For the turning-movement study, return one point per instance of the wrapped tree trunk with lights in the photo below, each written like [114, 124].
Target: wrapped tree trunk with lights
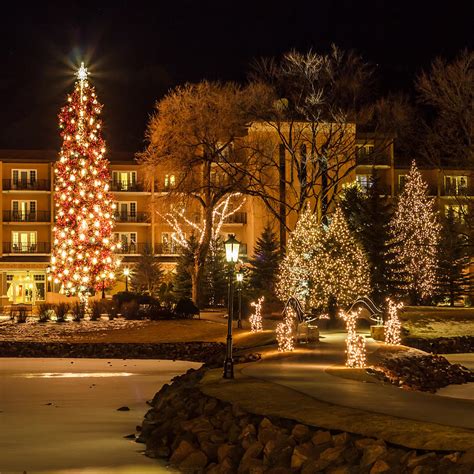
[83, 257]
[416, 232]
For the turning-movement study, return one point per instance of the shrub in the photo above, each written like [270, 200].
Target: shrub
[78, 311]
[45, 311]
[185, 308]
[22, 315]
[130, 310]
[61, 310]
[110, 307]
[96, 309]
[125, 297]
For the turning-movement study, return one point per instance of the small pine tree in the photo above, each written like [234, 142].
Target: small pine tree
[340, 269]
[264, 264]
[215, 279]
[295, 270]
[415, 230]
[147, 274]
[453, 278]
[182, 283]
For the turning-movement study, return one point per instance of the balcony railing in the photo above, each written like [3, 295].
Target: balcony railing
[23, 247]
[26, 216]
[454, 190]
[132, 217]
[167, 249]
[26, 185]
[126, 186]
[133, 248]
[236, 218]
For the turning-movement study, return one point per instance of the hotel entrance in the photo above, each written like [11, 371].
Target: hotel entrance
[25, 287]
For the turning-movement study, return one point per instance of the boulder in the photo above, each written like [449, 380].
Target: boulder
[321, 437]
[419, 460]
[303, 454]
[210, 450]
[312, 467]
[251, 466]
[341, 439]
[301, 433]
[333, 454]
[184, 449]
[197, 460]
[379, 466]
[253, 451]
[362, 443]
[372, 453]
[197, 425]
[229, 451]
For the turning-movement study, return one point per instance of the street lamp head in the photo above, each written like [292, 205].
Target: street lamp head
[232, 249]
[126, 271]
[240, 277]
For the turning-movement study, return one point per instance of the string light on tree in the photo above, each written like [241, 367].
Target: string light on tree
[256, 317]
[416, 233]
[355, 344]
[393, 326]
[285, 331]
[83, 249]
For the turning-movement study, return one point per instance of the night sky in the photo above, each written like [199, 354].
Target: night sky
[136, 52]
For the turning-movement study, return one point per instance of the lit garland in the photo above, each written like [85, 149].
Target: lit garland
[415, 231]
[355, 344]
[285, 331]
[83, 248]
[323, 263]
[256, 318]
[393, 326]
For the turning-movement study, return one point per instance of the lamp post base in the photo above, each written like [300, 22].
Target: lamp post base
[239, 324]
[229, 368]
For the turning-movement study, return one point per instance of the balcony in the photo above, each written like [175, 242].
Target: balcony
[167, 249]
[26, 216]
[237, 218]
[133, 248]
[461, 191]
[139, 217]
[26, 185]
[26, 248]
[124, 186]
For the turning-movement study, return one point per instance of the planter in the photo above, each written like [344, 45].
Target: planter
[377, 332]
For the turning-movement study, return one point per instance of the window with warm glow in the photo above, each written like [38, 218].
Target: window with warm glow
[459, 211]
[455, 185]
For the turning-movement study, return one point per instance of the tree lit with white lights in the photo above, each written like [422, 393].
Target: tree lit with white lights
[416, 232]
[83, 249]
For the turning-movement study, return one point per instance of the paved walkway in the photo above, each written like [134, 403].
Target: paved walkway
[305, 372]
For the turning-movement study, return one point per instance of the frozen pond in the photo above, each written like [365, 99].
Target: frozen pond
[61, 414]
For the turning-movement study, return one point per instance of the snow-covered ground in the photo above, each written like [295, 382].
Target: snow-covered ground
[60, 415]
[32, 330]
[459, 391]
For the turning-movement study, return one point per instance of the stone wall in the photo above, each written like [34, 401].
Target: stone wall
[197, 433]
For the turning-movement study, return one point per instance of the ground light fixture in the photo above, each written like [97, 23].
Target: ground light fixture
[232, 246]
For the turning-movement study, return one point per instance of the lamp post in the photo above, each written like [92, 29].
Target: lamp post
[126, 272]
[240, 279]
[232, 256]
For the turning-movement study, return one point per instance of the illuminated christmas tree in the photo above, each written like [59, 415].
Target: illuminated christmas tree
[416, 232]
[83, 249]
[296, 268]
[340, 271]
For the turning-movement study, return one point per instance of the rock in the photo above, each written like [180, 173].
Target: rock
[301, 433]
[184, 449]
[419, 460]
[217, 437]
[229, 451]
[163, 452]
[423, 470]
[313, 467]
[321, 437]
[332, 454]
[379, 466]
[302, 454]
[123, 409]
[210, 407]
[196, 460]
[351, 455]
[279, 470]
[210, 450]
[197, 425]
[372, 453]
[362, 443]
[238, 411]
[248, 435]
[233, 433]
[339, 470]
[253, 451]
[341, 439]
[251, 466]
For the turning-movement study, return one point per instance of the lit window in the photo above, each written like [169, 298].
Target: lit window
[402, 179]
[459, 211]
[455, 185]
[364, 181]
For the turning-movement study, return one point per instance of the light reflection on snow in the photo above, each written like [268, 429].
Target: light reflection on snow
[49, 375]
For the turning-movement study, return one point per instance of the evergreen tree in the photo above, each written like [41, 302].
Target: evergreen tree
[83, 248]
[340, 270]
[264, 264]
[182, 283]
[215, 280]
[147, 274]
[368, 215]
[295, 270]
[453, 277]
[415, 230]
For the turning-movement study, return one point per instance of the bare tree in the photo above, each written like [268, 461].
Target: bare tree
[301, 142]
[193, 134]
